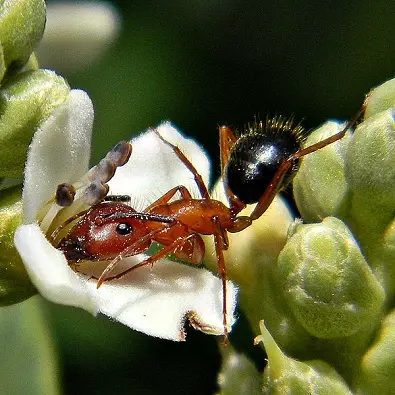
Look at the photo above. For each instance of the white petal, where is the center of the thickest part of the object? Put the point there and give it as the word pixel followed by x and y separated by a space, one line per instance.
pixel 157 300
pixel 77 33
pixel 49 271
pixel 153 168
pixel 154 301
pixel 59 152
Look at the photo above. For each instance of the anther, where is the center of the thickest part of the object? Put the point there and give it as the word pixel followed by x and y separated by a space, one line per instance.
pixel 95 193
pixel 120 154
pixel 65 194
pixel 103 171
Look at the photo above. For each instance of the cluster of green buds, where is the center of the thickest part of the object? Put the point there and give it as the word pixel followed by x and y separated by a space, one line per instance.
pixel 28 96
pixel 323 290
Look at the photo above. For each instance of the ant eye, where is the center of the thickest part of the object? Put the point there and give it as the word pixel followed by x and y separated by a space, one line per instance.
pixel 124 229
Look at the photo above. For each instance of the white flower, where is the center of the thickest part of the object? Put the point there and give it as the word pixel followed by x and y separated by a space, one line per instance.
pixel 77 34
pixel 156 300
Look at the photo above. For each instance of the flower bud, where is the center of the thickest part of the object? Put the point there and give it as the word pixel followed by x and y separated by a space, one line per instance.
pixel 327 283
pixel 377 369
pixel 238 374
pixel 15 285
pixel 26 101
pixel 21 28
pixel 251 262
pixel 370 165
pixel 285 375
pixel 381 98
pixel 319 186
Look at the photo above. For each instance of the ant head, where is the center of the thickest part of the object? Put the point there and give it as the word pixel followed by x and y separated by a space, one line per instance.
pixel 257 155
pixel 104 232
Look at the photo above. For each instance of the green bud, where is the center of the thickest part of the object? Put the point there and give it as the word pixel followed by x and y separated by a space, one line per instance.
pixel 378 364
pixel 15 285
pixel 31 64
pixel 319 186
pixel 327 283
pixel 285 375
pixel 370 162
pixel 381 98
pixel 25 103
pixel 238 374
pixel 251 262
pixel 22 25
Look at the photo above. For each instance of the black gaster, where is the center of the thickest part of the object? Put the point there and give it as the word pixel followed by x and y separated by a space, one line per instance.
pixel 254 159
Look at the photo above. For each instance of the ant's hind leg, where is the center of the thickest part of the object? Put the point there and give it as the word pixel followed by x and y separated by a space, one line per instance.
pixel 335 137
pixel 276 182
pixel 270 192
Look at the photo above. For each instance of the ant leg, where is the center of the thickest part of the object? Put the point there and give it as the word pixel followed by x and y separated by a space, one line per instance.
pixel 226 141
pixel 185 194
pixel 221 244
pixel 271 190
pixel 149 261
pixel 274 185
pixel 118 198
pixel 198 178
pixel 127 252
pixel 335 137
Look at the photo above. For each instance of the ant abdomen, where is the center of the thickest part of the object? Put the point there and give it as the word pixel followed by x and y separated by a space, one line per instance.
pixel 258 153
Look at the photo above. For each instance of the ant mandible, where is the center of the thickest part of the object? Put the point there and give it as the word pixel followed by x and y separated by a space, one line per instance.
pixel 254 168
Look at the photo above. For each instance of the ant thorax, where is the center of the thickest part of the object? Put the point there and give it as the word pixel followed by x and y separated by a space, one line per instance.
pixel 258 153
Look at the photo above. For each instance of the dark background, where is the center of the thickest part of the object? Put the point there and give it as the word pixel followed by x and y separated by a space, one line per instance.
pixel 201 64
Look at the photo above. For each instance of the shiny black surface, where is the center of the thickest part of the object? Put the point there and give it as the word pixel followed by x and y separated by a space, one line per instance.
pixel 254 160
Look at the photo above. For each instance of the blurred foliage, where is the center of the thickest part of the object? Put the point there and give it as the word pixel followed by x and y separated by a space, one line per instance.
pixel 204 63
pixel 201 64
pixel 28 358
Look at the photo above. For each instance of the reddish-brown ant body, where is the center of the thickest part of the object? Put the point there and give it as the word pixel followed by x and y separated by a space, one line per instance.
pixel 254 168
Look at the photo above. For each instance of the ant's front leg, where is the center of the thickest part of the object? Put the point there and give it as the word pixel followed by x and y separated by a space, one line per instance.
pixel 129 251
pixel 151 260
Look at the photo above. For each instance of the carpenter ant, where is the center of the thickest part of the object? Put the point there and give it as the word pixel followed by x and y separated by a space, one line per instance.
pixel 254 168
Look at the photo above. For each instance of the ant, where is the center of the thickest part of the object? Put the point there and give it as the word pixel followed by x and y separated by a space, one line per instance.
pixel 254 167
